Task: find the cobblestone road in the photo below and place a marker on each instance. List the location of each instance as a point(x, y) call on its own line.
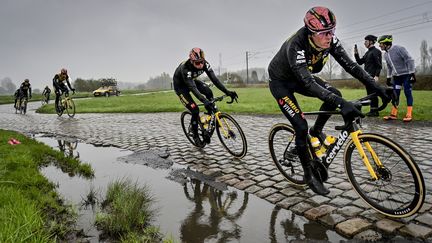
point(341, 210)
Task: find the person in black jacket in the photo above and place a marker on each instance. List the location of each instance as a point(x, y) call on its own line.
point(372, 61)
point(291, 71)
point(185, 82)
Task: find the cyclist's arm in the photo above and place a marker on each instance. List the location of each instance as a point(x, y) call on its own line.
point(190, 83)
point(30, 91)
point(212, 76)
point(297, 62)
point(68, 83)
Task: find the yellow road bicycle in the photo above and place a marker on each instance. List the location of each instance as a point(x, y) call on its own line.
point(21, 105)
point(382, 173)
point(228, 130)
point(67, 104)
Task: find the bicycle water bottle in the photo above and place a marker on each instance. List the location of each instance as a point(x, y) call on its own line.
point(316, 145)
point(205, 119)
point(326, 145)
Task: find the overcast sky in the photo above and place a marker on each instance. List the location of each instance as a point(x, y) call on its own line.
point(132, 40)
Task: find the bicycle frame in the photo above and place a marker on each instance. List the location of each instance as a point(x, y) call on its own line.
point(353, 131)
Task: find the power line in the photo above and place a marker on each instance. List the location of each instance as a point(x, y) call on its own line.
point(387, 14)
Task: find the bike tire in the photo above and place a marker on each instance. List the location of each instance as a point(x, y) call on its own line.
point(70, 107)
point(187, 129)
point(43, 101)
point(232, 136)
point(401, 199)
point(282, 149)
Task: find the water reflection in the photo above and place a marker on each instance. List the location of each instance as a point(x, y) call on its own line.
point(219, 223)
point(291, 226)
point(68, 148)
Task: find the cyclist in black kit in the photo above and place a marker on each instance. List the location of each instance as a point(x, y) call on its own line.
point(185, 82)
point(60, 86)
point(24, 91)
point(291, 69)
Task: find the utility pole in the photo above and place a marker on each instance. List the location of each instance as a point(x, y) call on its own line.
point(247, 67)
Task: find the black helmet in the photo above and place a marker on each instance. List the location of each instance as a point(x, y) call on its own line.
point(371, 38)
point(385, 39)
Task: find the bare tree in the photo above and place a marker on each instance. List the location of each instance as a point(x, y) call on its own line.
point(424, 56)
point(330, 68)
point(8, 86)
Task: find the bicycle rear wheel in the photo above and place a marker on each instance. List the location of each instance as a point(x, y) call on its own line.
point(70, 107)
point(284, 154)
point(231, 135)
point(187, 129)
point(400, 188)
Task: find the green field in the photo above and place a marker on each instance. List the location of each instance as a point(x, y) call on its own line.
point(251, 101)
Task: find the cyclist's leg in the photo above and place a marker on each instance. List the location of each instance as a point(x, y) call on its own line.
point(409, 97)
point(187, 100)
point(57, 92)
point(290, 108)
point(316, 129)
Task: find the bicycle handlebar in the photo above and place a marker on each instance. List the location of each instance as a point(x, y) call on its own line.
point(220, 98)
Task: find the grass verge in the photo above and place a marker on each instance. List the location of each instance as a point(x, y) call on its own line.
point(127, 213)
point(30, 209)
point(251, 101)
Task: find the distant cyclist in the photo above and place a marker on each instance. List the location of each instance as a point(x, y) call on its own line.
point(46, 93)
point(185, 82)
point(400, 67)
point(291, 71)
point(59, 81)
point(24, 91)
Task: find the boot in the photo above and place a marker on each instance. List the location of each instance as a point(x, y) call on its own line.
point(393, 114)
point(314, 183)
point(408, 116)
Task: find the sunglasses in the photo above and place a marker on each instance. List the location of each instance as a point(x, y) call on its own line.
point(198, 62)
point(325, 33)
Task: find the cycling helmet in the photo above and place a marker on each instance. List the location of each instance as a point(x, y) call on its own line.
point(63, 71)
point(371, 38)
point(385, 39)
point(319, 19)
point(27, 80)
point(196, 55)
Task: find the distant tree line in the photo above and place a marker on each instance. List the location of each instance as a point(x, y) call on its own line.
point(7, 86)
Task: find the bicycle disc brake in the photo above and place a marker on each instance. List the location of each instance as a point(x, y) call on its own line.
point(319, 170)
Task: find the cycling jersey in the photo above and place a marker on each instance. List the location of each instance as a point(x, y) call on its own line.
point(399, 61)
point(299, 58)
point(185, 79)
point(61, 78)
point(25, 89)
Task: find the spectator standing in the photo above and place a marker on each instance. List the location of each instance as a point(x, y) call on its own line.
point(400, 67)
point(372, 61)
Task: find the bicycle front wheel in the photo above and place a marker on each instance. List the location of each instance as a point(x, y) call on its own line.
point(187, 129)
point(231, 135)
point(399, 190)
point(284, 154)
point(70, 107)
point(59, 108)
point(24, 107)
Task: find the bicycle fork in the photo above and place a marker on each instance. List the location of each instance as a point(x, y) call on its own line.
point(356, 140)
point(221, 123)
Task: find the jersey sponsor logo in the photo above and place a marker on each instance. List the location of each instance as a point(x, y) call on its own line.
point(289, 106)
point(301, 57)
point(189, 74)
point(208, 66)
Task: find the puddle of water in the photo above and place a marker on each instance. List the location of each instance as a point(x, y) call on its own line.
point(190, 212)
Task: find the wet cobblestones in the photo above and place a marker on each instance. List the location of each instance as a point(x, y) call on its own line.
point(342, 210)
